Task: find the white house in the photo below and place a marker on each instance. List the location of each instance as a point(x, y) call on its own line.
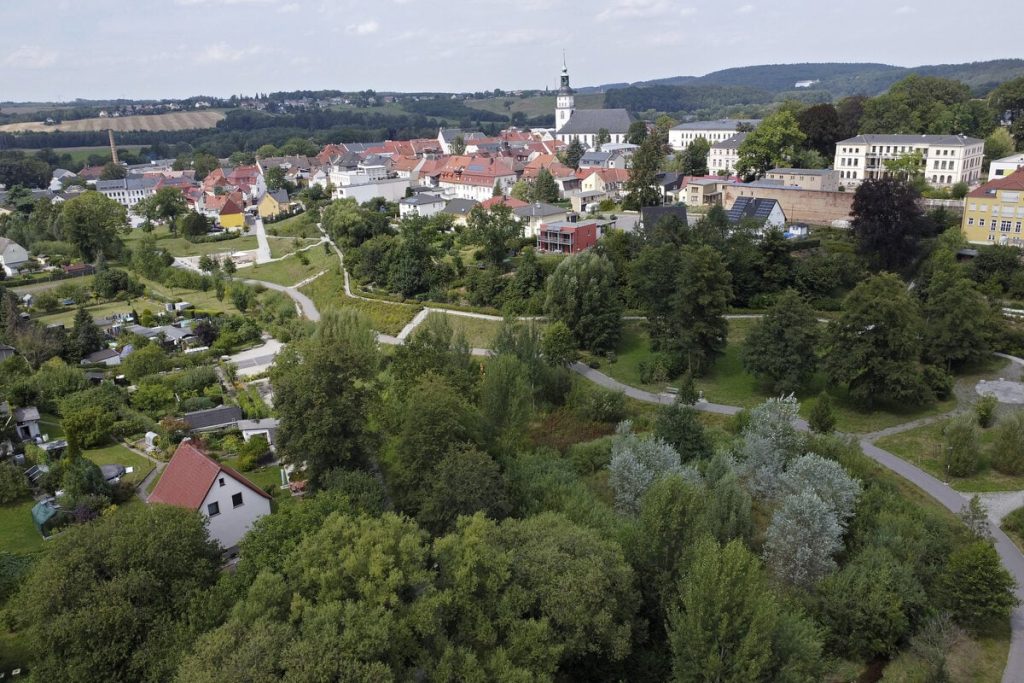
point(230, 502)
point(946, 159)
point(724, 155)
point(13, 256)
point(425, 205)
point(767, 213)
point(265, 427)
point(26, 421)
point(680, 137)
point(1000, 168)
point(128, 191)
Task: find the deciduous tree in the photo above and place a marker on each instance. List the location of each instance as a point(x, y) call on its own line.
point(582, 294)
point(781, 350)
point(773, 143)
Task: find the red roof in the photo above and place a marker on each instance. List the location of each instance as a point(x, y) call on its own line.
point(1013, 182)
point(510, 202)
point(189, 476)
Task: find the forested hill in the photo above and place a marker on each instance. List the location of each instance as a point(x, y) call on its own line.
point(839, 80)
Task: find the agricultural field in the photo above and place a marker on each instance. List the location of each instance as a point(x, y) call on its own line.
point(541, 105)
point(79, 155)
point(185, 120)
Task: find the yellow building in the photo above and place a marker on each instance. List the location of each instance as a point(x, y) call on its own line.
point(994, 213)
point(274, 203)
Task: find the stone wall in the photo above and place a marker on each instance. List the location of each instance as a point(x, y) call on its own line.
point(800, 206)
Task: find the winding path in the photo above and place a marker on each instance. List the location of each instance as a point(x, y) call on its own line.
point(1009, 553)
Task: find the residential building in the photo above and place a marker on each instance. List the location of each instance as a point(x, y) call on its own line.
point(230, 502)
point(108, 357)
point(946, 159)
point(26, 421)
point(680, 137)
point(446, 136)
point(532, 216)
point(392, 190)
point(821, 179)
point(127, 191)
point(724, 155)
point(212, 419)
point(1005, 166)
point(476, 177)
point(226, 209)
point(274, 203)
point(425, 205)
point(994, 212)
point(13, 256)
point(460, 209)
point(584, 125)
point(609, 181)
point(265, 427)
point(702, 191)
point(766, 212)
point(569, 237)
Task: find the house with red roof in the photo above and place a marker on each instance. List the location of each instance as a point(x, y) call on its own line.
point(195, 481)
point(475, 177)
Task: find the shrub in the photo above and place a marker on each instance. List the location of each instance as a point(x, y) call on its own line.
point(1007, 451)
point(599, 405)
point(251, 452)
point(985, 410)
point(822, 418)
point(976, 588)
point(938, 381)
point(963, 447)
point(13, 483)
point(591, 456)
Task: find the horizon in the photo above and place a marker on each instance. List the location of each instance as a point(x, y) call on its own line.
point(151, 51)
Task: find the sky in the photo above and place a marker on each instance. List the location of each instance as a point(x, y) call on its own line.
point(59, 50)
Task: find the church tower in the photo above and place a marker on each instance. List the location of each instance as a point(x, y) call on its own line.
point(565, 104)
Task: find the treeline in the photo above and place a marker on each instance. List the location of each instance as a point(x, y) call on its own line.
point(684, 98)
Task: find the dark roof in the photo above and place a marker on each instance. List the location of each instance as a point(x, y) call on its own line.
point(650, 215)
point(749, 207)
point(100, 356)
point(721, 124)
point(213, 417)
point(732, 142)
point(538, 210)
point(802, 171)
point(279, 196)
point(875, 139)
point(591, 121)
point(420, 199)
point(460, 207)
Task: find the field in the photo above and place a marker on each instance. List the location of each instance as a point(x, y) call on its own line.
point(479, 333)
point(185, 120)
point(301, 225)
point(282, 246)
point(328, 291)
point(119, 455)
point(80, 154)
point(203, 301)
point(67, 315)
point(18, 534)
point(289, 271)
point(179, 246)
point(540, 105)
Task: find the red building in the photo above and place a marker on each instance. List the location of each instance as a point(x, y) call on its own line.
point(569, 237)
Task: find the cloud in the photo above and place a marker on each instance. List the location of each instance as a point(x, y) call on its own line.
point(745, 9)
point(289, 8)
point(30, 57)
point(639, 9)
point(905, 9)
point(363, 29)
point(187, 3)
point(219, 53)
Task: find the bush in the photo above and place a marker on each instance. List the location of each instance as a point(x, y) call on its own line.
point(822, 418)
point(963, 447)
point(13, 483)
point(196, 403)
point(1007, 451)
point(938, 381)
point(591, 456)
point(654, 370)
point(251, 452)
point(598, 405)
point(985, 410)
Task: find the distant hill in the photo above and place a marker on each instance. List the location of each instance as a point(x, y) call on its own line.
point(838, 79)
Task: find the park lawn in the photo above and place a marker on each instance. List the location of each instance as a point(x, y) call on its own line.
point(282, 246)
point(301, 225)
point(18, 533)
point(202, 301)
point(37, 287)
point(328, 291)
point(119, 455)
point(262, 477)
point(67, 315)
point(480, 334)
point(51, 426)
point(179, 246)
point(924, 446)
point(290, 270)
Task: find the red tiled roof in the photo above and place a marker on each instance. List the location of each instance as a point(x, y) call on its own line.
point(1013, 182)
point(189, 476)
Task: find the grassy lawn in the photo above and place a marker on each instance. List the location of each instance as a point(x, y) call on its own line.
point(119, 455)
point(36, 287)
point(18, 533)
point(203, 301)
point(924, 446)
point(262, 477)
point(290, 270)
point(179, 246)
point(67, 315)
point(282, 246)
point(479, 333)
point(50, 425)
point(328, 291)
point(301, 225)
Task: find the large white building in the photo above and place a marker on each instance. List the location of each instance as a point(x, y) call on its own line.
point(584, 125)
point(946, 159)
point(1000, 168)
point(725, 154)
point(128, 191)
point(680, 137)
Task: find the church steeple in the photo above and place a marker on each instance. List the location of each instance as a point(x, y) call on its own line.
point(565, 104)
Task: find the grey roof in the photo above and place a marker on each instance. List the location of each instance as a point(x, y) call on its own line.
point(591, 121)
point(749, 207)
point(948, 140)
point(221, 416)
point(26, 414)
point(421, 199)
point(6, 242)
point(720, 124)
point(126, 184)
point(595, 158)
point(279, 196)
point(731, 143)
point(264, 423)
point(173, 333)
point(100, 356)
point(460, 206)
point(538, 210)
point(802, 171)
point(147, 332)
point(651, 215)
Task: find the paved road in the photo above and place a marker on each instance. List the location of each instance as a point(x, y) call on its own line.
point(305, 304)
point(263, 253)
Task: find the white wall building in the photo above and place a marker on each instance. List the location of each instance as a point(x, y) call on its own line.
point(425, 205)
point(947, 159)
point(680, 137)
point(725, 154)
point(128, 191)
point(13, 256)
point(391, 190)
point(1000, 168)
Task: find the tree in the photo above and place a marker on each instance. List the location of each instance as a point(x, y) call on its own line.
point(494, 231)
point(678, 425)
point(505, 398)
point(771, 144)
point(802, 539)
point(1007, 455)
point(110, 282)
point(13, 483)
point(323, 386)
point(974, 515)
point(962, 454)
point(148, 360)
point(695, 158)
point(603, 138)
point(959, 322)
point(85, 335)
point(458, 145)
point(641, 187)
point(729, 625)
point(697, 323)
point(923, 104)
point(822, 419)
point(1009, 97)
point(112, 171)
point(464, 482)
point(828, 480)
point(558, 346)
point(976, 588)
point(887, 222)
point(194, 224)
point(582, 294)
point(92, 222)
point(999, 144)
point(874, 346)
point(781, 350)
point(871, 605)
point(573, 153)
point(636, 464)
point(544, 188)
point(129, 579)
point(637, 132)
point(822, 128)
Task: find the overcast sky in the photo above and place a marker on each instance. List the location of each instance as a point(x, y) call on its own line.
point(63, 49)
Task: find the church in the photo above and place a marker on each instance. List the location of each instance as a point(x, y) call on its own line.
point(584, 124)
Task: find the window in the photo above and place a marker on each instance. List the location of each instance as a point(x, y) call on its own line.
point(213, 509)
point(970, 221)
point(981, 222)
point(236, 500)
point(221, 481)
